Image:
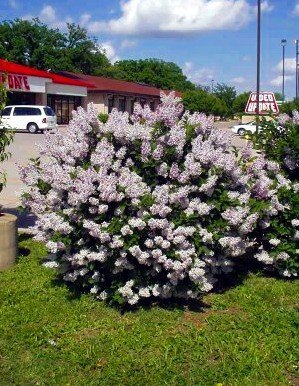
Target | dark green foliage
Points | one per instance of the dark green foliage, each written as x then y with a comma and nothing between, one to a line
277,143
154,72
240,102
227,94
103,117
35,44
202,101
289,107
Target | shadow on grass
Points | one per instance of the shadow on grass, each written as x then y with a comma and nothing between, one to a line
242,269
76,292
26,219
23,251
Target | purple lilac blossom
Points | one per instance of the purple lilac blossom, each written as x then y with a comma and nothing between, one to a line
135,201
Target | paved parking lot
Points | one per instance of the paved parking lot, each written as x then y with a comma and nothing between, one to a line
25,147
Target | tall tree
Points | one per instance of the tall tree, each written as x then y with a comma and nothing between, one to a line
227,94
240,103
154,72
33,43
202,101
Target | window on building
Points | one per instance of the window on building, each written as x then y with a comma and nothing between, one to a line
122,104
21,98
110,104
152,105
142,101
63,105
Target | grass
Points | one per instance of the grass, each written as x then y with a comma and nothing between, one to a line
248,335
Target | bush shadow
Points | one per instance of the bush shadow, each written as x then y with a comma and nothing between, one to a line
25,218
242,270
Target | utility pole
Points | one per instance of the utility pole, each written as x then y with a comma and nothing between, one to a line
283,43
258,64
297,65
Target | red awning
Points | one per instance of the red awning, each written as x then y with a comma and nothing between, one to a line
15,68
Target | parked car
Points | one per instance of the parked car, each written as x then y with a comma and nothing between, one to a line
241,129
30,117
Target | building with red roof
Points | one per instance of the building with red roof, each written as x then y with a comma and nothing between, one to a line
107,93
65,91
29,86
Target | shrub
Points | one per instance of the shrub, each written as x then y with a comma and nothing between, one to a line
154,205
6,137
279,141
289,107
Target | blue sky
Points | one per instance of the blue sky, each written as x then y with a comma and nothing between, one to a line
209,39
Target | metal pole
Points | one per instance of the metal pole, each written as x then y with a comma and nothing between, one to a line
258,64
297,54
212,86
283,43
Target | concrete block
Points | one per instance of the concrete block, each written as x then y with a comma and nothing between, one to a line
8,240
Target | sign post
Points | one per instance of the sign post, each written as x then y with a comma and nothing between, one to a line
267,104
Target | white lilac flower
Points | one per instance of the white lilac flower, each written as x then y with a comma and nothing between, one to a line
264,257
295,222
282,256
274,242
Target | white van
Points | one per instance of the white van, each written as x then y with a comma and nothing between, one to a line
28,117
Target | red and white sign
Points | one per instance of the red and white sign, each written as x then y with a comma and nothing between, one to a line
267,103
16,82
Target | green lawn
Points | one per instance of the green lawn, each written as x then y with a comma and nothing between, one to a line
249,336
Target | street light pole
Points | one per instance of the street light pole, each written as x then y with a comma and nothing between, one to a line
283,43
258,64
297,56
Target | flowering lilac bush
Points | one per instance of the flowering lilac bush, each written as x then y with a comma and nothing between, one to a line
155,205
279,141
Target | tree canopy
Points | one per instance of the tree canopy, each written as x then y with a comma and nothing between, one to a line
33,43
201,100
240,102
156,72
227,94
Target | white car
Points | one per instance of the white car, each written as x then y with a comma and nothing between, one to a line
241,129
28,117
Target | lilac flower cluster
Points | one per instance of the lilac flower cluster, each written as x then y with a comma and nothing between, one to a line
150,206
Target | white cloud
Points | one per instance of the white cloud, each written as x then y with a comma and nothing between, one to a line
238,80
163,18
278,80
128,43
49,16
110,51
290,69
246,58
266,6
168,17
289,66
13,4
84,19
296,9
202,76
